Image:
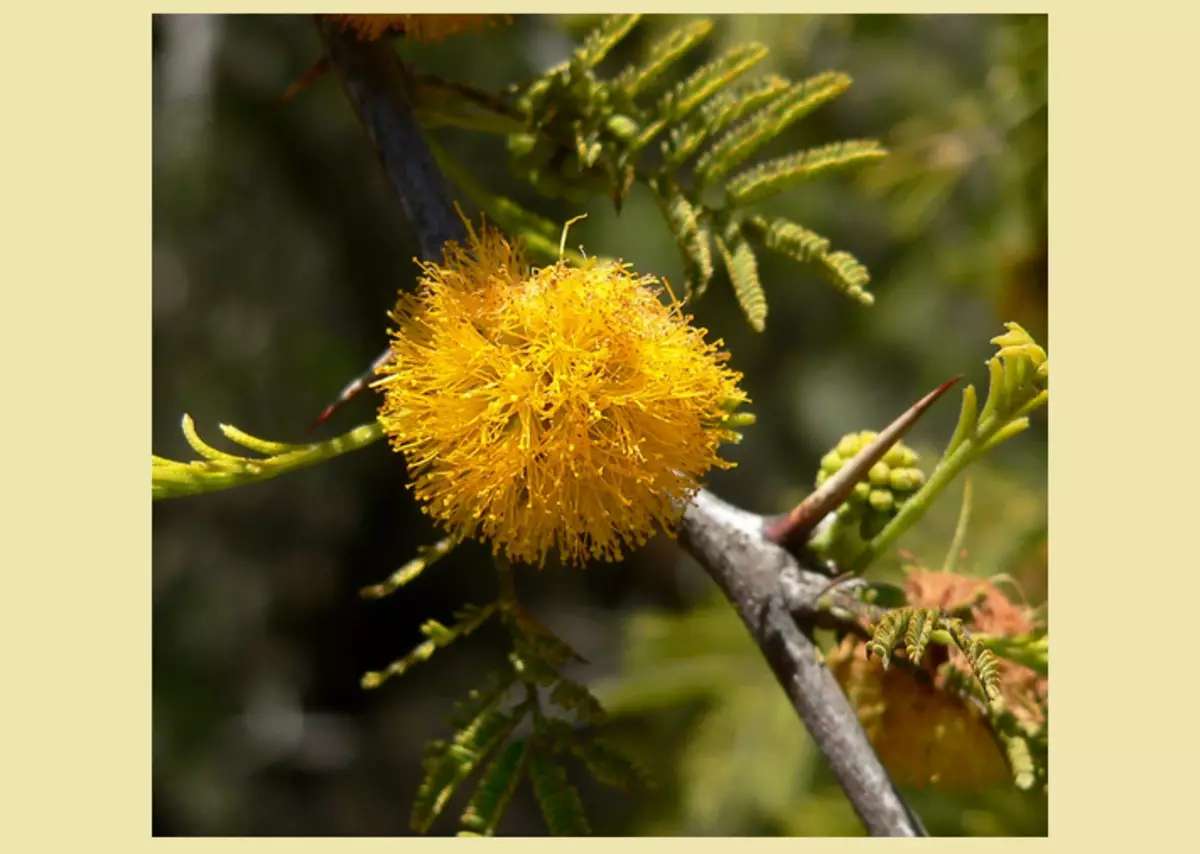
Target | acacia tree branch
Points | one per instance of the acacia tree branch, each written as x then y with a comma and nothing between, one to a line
377,86
763,581
767,585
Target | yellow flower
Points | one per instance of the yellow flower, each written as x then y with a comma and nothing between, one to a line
563,407
423,28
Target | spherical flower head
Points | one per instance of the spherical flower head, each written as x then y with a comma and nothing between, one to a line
561,408
422,28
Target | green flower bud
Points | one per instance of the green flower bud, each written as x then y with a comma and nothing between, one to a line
881,500
831,462
848,446
879,474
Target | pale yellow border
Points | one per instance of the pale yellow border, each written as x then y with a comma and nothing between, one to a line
76,624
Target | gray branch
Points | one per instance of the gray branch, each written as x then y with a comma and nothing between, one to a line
775,596
769,588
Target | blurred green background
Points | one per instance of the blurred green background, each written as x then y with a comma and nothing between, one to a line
278,249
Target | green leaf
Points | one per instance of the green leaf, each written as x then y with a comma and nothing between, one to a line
469,619
426,556
692,237
790,239
604,38
775,176
469,748
887,633
966,421
607,764
662,55
573,697
711,78
983,661
844,272
920,629
496,788
557,798
743,273
740,143
724,108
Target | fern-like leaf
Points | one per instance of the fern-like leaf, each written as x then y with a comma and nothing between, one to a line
573,697
775,176
557,798
496,788
845,273
887,633
982,660
426,556
539,641
477,700
608,765
693,238
604,38
531,667
711,78
469,619
742,266
717,114
469,748
790,239
662,55
740,143
920,630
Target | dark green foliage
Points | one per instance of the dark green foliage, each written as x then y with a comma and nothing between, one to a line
609,765
604,38
710,79
558,799
497,785
483,723
722,110
584,136
735,147
662,55
447,768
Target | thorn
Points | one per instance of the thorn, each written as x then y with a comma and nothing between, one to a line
794,529
314,73
352,389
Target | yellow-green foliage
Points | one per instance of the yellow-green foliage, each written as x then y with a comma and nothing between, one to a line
912,629
1019,379
220,470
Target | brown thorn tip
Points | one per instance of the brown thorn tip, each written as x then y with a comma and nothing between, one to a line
322,417
796,527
